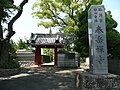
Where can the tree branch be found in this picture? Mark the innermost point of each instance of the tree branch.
(56, 15)
(71, 14)
(10, 24)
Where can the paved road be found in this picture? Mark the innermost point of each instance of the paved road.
(41, 78)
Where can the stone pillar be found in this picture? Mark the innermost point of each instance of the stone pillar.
(97, 40)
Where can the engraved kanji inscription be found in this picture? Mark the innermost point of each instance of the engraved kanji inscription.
(99, 39)
(95, 9)
(100, 15)
(95, 20)
(99, 9)
(99, 30)
(100, 49)
(100, 20)
(100, 59)
(95, 16)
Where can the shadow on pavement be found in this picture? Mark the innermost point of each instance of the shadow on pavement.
(41, 78)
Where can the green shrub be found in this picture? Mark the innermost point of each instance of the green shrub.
(46, 58)
(21, 44)
(49, 52)
(11, 63)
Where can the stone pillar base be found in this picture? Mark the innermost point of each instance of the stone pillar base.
(88, 81)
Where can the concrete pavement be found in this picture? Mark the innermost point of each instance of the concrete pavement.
(41, 78)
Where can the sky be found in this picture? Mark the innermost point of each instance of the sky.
(26, 24)
(114, 7)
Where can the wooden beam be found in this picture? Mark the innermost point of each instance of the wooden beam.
(48, 46)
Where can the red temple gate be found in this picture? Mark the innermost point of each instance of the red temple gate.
(39, 41)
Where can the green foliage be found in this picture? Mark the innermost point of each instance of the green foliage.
(81, 42)
(46, 58)
(13, 49)
(110, 22)
(8, 55)
(21, 44)
(95, 2)
(60, 13)
(11, 63)
(113, 40)
(69, 41)
(71, 16)
(12, 60)
(49, 52)
(6, 8)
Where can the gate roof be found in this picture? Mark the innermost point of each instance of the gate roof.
(47, 40)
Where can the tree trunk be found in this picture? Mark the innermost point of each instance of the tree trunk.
(1, 31)
(10, 24)
(4, 53)
(5, 43)
(1, 37)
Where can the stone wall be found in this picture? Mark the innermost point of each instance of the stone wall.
(25, 57)
(68, 60)
(99, 82)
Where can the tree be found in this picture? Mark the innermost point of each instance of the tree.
(59, 13)
(65, 15)
(71, 16)
(113, 36)
(113, 40)
(81, 43)
(5, 11)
